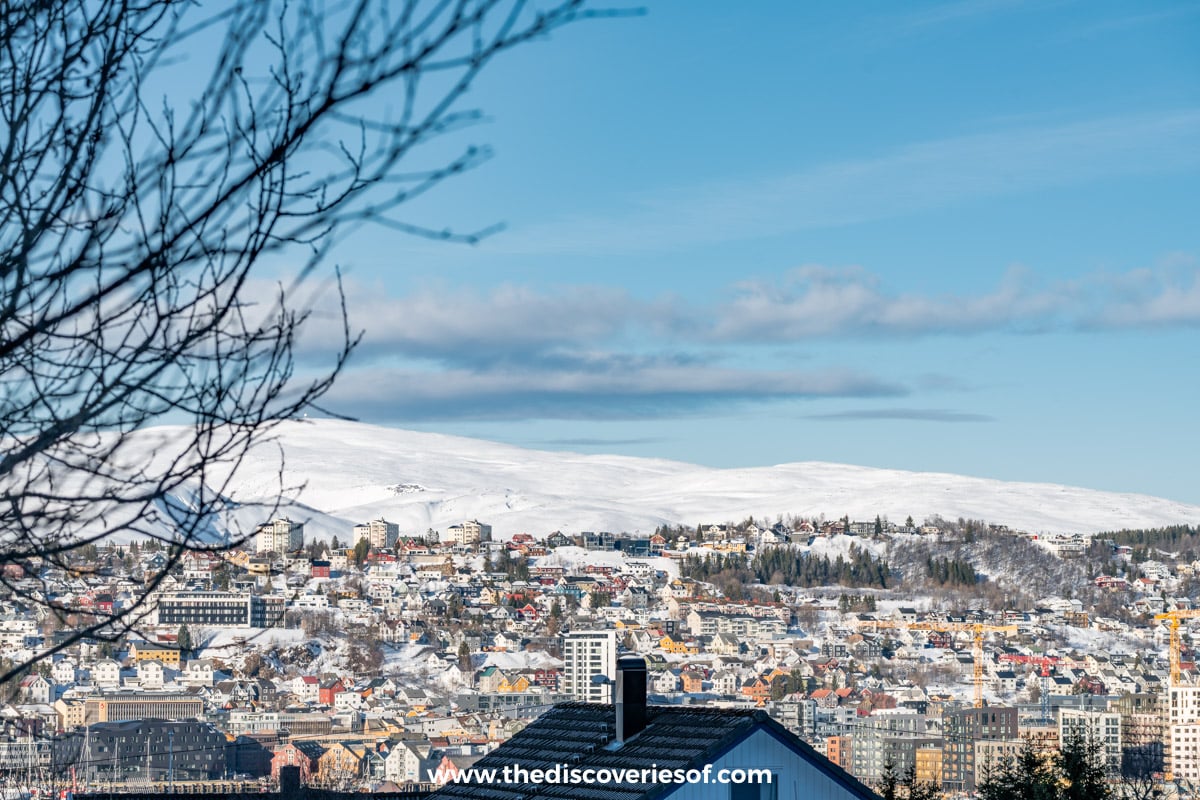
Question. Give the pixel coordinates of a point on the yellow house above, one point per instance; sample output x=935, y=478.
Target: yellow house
x=520, y=684
x=150, y=651
x=258, y=566
x=70, y=713
x=669, y=645
x=340, y=760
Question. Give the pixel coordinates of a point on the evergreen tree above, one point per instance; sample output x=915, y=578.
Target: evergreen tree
x=1083, y=770
x=362, y=548
x=1075, y=773
x=889, y=782
x=184, y=639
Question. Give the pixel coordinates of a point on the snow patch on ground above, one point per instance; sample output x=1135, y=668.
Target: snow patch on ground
x=528, y=659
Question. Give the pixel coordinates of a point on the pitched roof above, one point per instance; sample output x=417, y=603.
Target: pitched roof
x=675, y=737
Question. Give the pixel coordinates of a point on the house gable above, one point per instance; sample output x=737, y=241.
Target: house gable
x=582, y=735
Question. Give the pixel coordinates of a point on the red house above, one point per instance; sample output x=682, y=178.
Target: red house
x=546, y=677
x=329, y=690
x=320, y=569
x=303, y=754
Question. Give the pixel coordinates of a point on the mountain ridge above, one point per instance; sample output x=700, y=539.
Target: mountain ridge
x=351, y=472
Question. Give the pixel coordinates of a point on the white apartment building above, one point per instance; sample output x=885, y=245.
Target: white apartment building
x=1103, y=727
x=279, y=536
x=470, y=532
x=1183, y=719
x=379, y=533
x=587, y=654
x=1184, y=756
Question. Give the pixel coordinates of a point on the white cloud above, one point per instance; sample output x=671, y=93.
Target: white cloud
x=582, y=352
x=648, y=390
x=820, y=302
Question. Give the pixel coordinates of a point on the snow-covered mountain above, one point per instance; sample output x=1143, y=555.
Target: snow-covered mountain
x=351, y=472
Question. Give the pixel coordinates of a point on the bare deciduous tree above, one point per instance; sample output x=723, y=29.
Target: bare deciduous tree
x=152, y=154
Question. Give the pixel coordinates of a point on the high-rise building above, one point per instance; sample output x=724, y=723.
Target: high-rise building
x=280, y=535
x=1143, y=731
x=470, y=532
x=1183, y=719
x=1100, y=727
x=961, y=729
x=379, y=533
x=587, y=654
x=887, y=736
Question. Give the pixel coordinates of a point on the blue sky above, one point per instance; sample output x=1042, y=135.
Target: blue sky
x=959, y=237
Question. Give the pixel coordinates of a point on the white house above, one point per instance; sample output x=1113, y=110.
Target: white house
x=307, y=688
x=106, y=674
x=198, y=672
x=150, y=674
x=726, y=682
x=407, y=762
x=36, y=689
x=63, y=671
x=348, y=699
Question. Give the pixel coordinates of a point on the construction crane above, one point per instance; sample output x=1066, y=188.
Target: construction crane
x=1044, y=695
x=1174, y=617
x=1176, y=670
x=976, y=629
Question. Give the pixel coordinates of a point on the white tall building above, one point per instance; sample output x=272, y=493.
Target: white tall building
x=587, y=654
x=1101, y=727
x=379, y=533
x=1183, y=716
x=279, y=536
x=470, y=532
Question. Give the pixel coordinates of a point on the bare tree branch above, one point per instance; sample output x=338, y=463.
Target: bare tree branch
x=131, y=223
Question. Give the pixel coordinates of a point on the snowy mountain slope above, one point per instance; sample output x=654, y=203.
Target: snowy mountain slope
x=351, y=472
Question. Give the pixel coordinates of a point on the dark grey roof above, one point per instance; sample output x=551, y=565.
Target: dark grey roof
x=675, y=737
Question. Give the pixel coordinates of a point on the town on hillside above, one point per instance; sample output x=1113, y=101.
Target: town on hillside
x=386, y=661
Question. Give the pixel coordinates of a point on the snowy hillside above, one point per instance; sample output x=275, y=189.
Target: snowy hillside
x=351, y=472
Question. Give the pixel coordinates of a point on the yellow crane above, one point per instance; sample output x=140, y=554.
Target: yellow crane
x=1176, y=671
x=1174, y=617
x=976, y=629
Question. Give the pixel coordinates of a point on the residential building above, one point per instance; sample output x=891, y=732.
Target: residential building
x=961, y=729
x=379, y=533
x=219, y=609
x=886, y=736
x=1183, y=720
x=280, y=536
x=408, y=761
x=1100, y=727
x=470, y=532
x=928, y=764
x=588, y=654
x=166, y=655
